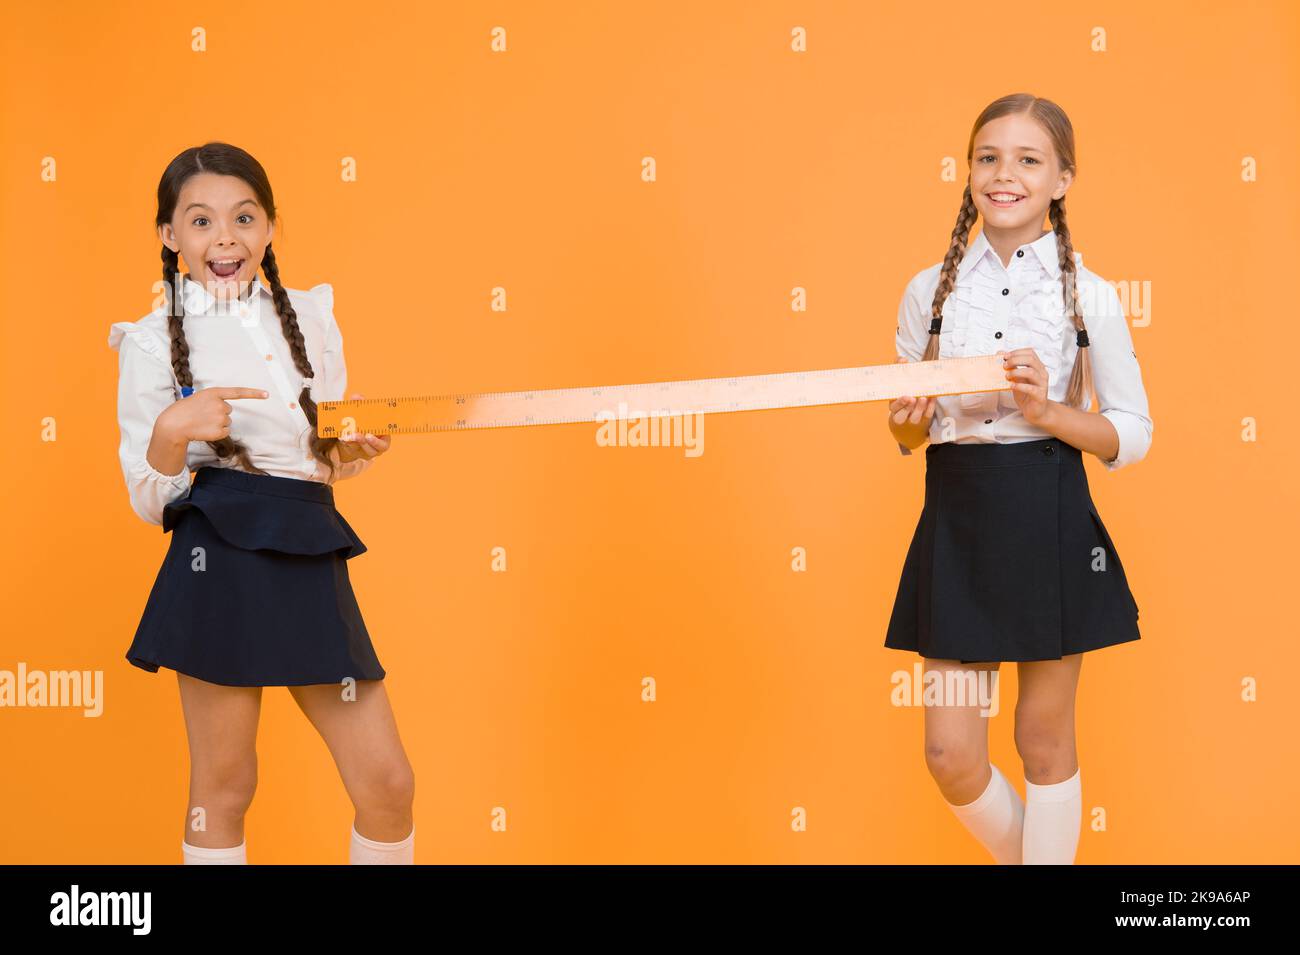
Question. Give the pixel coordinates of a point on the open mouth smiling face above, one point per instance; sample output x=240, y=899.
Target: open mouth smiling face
x=221, y=230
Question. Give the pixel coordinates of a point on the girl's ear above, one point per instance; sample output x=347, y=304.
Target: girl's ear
x=1067, y=178
x=168, y=236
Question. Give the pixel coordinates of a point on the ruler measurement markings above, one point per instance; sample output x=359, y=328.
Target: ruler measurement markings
x=425, y=414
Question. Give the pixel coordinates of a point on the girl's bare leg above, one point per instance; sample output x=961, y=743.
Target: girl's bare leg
x=221, y=725
x=957, y=740
x=1045, y=718
x=957, y=755
x=362, y=737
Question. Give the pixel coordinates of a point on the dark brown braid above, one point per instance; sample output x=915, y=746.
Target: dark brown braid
x=1058, y=127
x=224, y=159
x=320, y=447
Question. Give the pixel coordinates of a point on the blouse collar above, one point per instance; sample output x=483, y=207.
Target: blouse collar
x=1045, y=247
x=199, y=301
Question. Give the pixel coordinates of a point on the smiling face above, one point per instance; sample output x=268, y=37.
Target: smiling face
x=1015, y=175
x=221, y=231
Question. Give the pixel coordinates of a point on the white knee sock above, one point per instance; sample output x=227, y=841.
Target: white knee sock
x=201, y=855
x=369, y=852
x=1052, y=819
x=995, y=818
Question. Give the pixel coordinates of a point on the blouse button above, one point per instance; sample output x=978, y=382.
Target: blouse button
x=1020, y=253
x=293, y=404
x=997, y=334
x=988, y=420
x=268, y=357
x=1005, y=291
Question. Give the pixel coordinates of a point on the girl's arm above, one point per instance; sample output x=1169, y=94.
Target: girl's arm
x=145, y=389
x=1119, y=432
x=909, y=344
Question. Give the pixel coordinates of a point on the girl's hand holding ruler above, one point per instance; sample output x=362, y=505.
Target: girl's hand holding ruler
x=355, y=445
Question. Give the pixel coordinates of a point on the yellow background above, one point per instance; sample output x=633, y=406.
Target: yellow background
x=775, y=170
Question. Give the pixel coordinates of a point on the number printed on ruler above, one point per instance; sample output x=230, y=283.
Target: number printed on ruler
x=792, y=389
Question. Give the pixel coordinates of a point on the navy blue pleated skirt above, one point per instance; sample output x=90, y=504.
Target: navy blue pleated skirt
x=1010, y=560
x=254, y=589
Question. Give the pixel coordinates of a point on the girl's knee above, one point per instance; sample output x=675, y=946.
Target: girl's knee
x=390, y=786
x=226, y=787
x=950, y=761
x=1044, y=740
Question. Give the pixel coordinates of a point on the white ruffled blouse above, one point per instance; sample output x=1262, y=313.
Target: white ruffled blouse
x=232, y=344
x=994, y=307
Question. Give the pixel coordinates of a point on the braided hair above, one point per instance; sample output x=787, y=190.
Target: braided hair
x=224, y=159
x=1053, y=119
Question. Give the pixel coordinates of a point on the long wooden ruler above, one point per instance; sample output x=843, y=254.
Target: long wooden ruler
x=792, y=389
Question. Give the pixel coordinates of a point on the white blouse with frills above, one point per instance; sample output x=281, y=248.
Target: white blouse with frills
x=235, y=343
x=994, y=307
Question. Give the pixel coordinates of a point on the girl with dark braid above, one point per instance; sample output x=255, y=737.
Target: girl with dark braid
x=1010, y=560
x=223, y=378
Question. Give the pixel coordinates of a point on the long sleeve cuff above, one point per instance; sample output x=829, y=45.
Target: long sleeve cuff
x=1134, y=438
x=151, y=490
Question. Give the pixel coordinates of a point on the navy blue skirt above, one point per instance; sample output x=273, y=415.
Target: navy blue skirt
x=254, y=588
x=1010, y=560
